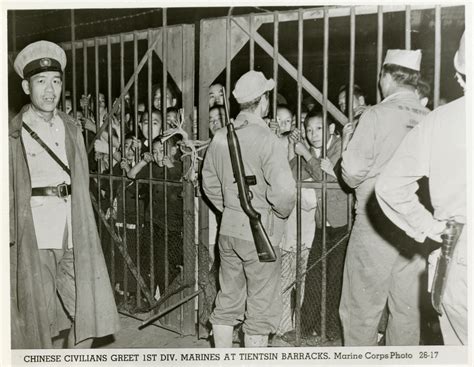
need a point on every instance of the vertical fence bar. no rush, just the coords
(189, 250)
(124, 179)
(408, 27)
(228, 49)
(298, 185)
(97, 123)
(164, 93)
(151, 187)
(251, 41)
(324, 186)
(437, 54)
(275, 61)
(350, 109)
(137, 183)
(379, 48)
(85, 84)
(73, 50)
(111, 158)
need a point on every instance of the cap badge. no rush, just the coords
(46, 62)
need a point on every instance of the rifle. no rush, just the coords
(264, 247)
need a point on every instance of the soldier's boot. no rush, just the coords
(256, 341)
(223, 335)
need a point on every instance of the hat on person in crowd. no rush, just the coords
(410, 59)
(38, 57)
(460, 57)
(252, 85)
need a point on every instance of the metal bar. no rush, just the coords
(298, 186)
(164, 93)
(97, 124)
(408, 27)
(85, 84)
(189, 248)
(276, 42)
(379, 48)
(290, 69)
(73, 39)
(251, 42)
(203, 218)
(350, 197)
(124, 173)
(138, 297)
(111, 158)
(228, 57)
(150, 186)
(437, 54)
(324, 189)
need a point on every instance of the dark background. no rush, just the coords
(26, 26)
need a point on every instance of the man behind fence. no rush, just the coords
(382, 266)
(250, 290)
(57, 269)
(436, 148)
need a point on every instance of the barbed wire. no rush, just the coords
(114, 19)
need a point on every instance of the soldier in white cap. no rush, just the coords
(381, 267)
(437, 149)
(250, 290)
(58, 273)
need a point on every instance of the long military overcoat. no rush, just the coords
(96, 312)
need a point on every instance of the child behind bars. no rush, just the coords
(314, 166)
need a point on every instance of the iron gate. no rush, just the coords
(147, 224)
(232, 45)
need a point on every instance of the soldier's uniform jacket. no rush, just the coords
(264, 156)
(96, 313)
(380, 131)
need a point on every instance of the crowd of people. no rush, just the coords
(379, 157)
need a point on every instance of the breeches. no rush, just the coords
(377, 274)
(59, 286)
(250, 290)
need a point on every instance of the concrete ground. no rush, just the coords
(156, 337)
(151, 336)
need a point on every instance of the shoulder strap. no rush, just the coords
(35, 136)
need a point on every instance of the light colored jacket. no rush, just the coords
(437, 149)
(380, 131)
(264, 157)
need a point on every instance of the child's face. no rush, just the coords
(101, 101)
(314, 132)
(172, 118)
(216, 98)
(284, 119)
(157, 99)
(158, 153)
(156, 125)
(129, 152)
(215, 121)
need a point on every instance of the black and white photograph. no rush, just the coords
(237, 183)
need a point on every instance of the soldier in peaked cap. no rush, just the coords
(429, 150)
(58, 274)
(250, 290)
(381, 266)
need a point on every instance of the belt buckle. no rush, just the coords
(62, 190)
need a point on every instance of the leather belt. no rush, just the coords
(61, 191)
